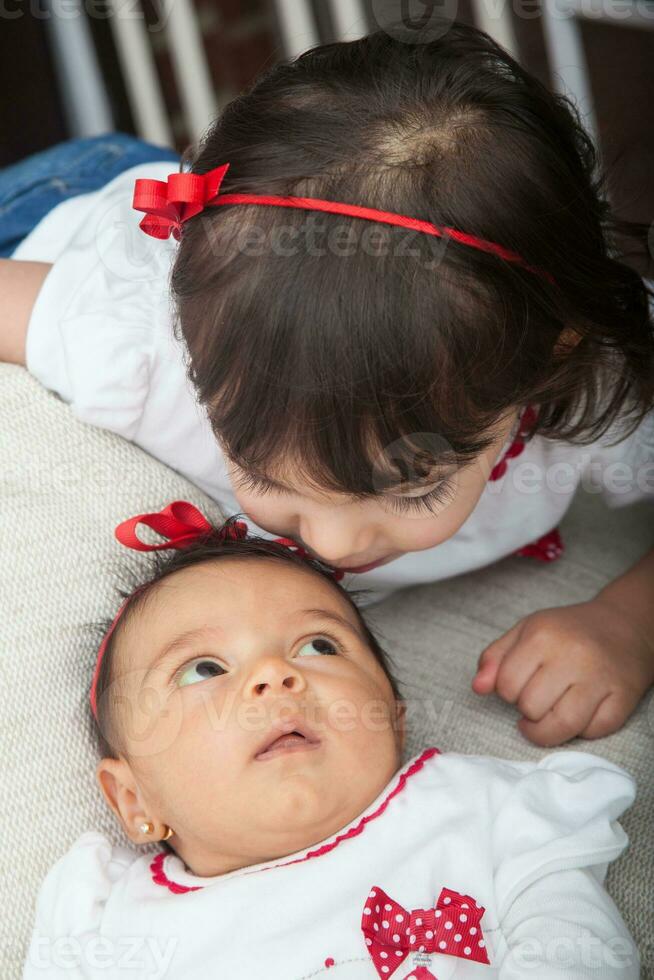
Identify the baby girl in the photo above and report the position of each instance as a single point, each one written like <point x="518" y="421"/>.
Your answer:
<point x="294" y="841"/>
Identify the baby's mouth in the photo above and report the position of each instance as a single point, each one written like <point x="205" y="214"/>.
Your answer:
<point x="294" y="740"/>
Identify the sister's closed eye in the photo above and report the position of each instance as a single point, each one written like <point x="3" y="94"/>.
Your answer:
<point x="207" y="667"/>
<point x="428" y="501"/>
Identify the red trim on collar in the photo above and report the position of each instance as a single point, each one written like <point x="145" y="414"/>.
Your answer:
<point x="159" y="876"/>
<point x="526" y="422"/>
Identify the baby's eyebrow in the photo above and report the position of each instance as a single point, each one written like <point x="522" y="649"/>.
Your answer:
<point x="179" y="641"/>
<point x="335" y="618"/>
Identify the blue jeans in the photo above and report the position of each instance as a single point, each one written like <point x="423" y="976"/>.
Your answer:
<point x="35" y="185"/>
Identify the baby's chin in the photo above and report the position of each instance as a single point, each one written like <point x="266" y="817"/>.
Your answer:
<point x="298" y="810"/>
<point x="299" y="800"/>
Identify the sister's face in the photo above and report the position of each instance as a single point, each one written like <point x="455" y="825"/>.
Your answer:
<point x="274" y="647"/>
<point x="354" y="535"/>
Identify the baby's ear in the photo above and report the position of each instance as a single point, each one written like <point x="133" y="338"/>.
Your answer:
<point x="121" y="792"/>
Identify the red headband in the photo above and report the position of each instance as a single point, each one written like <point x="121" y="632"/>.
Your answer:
<point x="182" y="524"/>
<point x="169" y="204"/>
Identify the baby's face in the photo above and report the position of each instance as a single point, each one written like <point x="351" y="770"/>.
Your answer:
<point x="275" y="647"/>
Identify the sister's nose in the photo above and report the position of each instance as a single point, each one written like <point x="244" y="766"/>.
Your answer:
<point x="334" y="543"/>
<point x="274" y="675"/>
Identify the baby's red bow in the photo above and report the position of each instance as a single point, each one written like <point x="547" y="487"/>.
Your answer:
<point x="168" y="204"/>
<point x="179" y="522"/>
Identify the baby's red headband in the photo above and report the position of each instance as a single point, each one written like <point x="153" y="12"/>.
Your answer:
<point x="168" y="204"/>
<point x="182" y="524"/>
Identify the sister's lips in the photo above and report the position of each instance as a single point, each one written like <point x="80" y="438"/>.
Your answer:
<point x="287" y="738"/>
<point x="370" y="566"/>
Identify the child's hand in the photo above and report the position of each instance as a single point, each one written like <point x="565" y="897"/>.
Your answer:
<point x="574" y="670"/>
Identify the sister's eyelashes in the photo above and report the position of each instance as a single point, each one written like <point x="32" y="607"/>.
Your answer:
<point x="256" y="484"/>
<point x="429" y="502"/>
<point x="211" y="668"/>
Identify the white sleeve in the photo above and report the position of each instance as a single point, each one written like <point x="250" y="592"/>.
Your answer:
<point x="623" y="473"/>
<point x="553" y="837"/>
<point x="92" y="333"/>
<point x="101" y="336"/>
<point x="565" y="926"/>
<point x="70" y="904"/>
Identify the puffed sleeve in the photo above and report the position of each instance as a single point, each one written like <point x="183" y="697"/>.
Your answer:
<point x="623" y="473"/>
<point x="70" y="904"/>
<point x="92" y="334"/>
<point x="554" y="835"/>
<point x="621" y="469"/>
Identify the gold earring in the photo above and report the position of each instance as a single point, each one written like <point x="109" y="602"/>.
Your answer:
<point x="147" y="828"/>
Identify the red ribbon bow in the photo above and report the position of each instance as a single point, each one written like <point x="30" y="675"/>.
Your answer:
<point x="452" y="928"/>
<point x="168" y="204"/>
<point x="179" y="522"/>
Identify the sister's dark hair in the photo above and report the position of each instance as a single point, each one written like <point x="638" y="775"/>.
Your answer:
<point x="208" y="548"/>
<point x="322" y="358"/>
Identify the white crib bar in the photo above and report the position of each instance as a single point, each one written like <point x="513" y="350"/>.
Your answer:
<point x="140" y="73"/>
<point x="349" y="18"/>
<point x="297" y="26"/>
<point x="190" y="65"/>
<point x="567" y="60"/>
<point x="495" y="18"/>
<point x="83" y="94"/>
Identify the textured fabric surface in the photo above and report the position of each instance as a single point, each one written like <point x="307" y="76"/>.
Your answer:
<point x="65" y="485"/>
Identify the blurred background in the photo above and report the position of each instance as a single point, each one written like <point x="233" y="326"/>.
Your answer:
<point x="162" y="69"/>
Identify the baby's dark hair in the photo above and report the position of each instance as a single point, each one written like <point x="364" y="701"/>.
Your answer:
<point x="209" y="547"/>
<point x="324" y="359"/>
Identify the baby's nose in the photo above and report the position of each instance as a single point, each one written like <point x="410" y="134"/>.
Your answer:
<point x="275" y="675"/>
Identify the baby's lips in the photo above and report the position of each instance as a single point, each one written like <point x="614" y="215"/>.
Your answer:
<point x="286" y="728"/>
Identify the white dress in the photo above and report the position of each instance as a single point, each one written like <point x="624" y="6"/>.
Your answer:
<point x="100" y="336"/>
<point x="494" y="867"/>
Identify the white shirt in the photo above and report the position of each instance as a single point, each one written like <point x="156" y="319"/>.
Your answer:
<point x="527" y="842"/>
<point x="100" y="335"/>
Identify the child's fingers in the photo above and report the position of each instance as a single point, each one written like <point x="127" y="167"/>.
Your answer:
<point x="518" y="668"/>
<point x="567" y="718"/>
<point x="610" y="715"/>
<point x="490" y="660"/>
<point x="544" y="688"/>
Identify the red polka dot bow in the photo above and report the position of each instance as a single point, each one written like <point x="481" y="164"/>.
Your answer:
<point x="392" y="933"/>
<point x="169" y="203"/>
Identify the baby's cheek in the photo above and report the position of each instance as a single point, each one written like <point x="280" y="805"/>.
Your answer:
<point x="362" y="709"/>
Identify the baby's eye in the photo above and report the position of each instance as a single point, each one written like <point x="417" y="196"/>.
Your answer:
<point x="203" y="669"/>
<point x="320" y="645"/>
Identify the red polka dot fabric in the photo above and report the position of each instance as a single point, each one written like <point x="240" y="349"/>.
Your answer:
<point x="391" y="933"/>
